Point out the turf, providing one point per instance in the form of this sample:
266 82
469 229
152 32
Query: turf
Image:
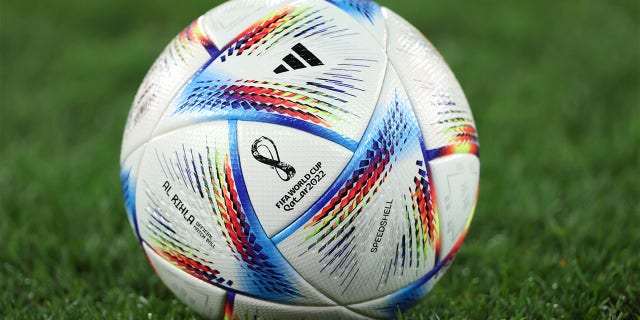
554 86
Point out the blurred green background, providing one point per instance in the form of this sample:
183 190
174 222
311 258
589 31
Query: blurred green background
554 86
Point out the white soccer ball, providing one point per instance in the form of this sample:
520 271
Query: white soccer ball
300 159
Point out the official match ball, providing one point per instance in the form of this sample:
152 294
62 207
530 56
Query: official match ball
311 159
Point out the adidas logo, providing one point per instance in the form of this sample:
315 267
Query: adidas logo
294 63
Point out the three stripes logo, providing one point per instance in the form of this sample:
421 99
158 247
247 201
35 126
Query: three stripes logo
265 151
294 63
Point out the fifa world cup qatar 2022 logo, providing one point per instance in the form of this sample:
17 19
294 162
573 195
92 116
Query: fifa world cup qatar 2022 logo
265 151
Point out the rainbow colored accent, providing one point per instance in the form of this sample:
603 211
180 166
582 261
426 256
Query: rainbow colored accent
165 240
271 27
207 93
173 63
413 248
190 37
228 307
463 147
303 108
369 169
214 175
194 33
463 137
293 21
259 32
319 106
392 138
461 131
230 214
192 265
251 95
422 210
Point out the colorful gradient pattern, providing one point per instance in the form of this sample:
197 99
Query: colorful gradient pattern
396 131
164 241
257 34
422 211
251 95
332 227
413 248
211 176
460 148
242 236
288 22
464 138
319 105
392 138
194 33
293 21
182 47
363 184
228 307
460 130
165 238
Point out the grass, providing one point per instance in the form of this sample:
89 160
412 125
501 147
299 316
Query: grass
555 91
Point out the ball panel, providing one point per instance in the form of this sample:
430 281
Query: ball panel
249 308
441 107
286 170
308 65
193 211
376 229
175 66
204 298
403 299
388 306
456 179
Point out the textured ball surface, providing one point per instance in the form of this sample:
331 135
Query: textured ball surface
300 159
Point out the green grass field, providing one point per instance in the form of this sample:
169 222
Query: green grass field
554 86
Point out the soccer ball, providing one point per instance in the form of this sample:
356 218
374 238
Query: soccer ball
300 159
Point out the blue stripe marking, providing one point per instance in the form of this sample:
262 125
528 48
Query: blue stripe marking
301 125
129 194
280 264
160 222
213 51
370 136
434 154
195 175
346 174
406 297
241 187
242 115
